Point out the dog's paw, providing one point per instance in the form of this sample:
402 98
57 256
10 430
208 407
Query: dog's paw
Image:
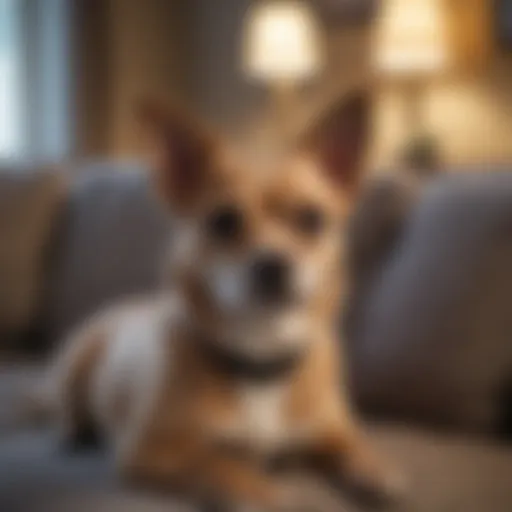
305 494
301 494
287 499
375 481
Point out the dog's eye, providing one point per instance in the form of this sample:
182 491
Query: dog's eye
225 223
309 220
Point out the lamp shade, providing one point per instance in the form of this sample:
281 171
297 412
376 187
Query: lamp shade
281 42
411 37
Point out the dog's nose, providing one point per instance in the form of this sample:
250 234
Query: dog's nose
270 275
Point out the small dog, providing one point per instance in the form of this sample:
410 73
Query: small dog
239 363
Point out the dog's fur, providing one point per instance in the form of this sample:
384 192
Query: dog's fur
199 388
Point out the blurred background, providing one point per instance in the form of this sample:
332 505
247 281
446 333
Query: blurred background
428 318
72 69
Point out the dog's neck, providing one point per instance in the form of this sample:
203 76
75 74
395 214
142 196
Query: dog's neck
244 367
219 350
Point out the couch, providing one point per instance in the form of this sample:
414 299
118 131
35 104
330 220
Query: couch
428 327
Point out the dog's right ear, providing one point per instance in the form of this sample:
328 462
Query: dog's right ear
338 139
182 153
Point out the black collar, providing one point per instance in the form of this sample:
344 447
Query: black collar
245 368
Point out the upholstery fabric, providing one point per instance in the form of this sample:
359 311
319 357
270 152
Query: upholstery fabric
111 243
433 337
30 201
445 473
437 321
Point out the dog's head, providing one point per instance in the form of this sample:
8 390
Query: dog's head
256 247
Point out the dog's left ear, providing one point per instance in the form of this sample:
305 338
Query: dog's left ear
182 153
338 139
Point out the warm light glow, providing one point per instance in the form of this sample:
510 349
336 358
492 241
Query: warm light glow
411 37
281 42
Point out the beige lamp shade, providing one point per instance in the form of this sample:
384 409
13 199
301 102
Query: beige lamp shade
411 37
281 42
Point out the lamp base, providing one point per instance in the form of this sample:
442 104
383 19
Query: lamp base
421 154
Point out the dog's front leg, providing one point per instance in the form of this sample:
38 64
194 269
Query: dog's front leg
347 456
213 478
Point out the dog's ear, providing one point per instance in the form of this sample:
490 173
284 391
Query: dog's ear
182 153
338 139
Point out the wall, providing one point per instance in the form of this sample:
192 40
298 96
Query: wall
143 40
90 77
472 116
191 49
218 88
122 50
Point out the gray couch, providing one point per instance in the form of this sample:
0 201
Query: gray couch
430 338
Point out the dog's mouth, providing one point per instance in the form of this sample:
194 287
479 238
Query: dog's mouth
274 298
266 332
262 306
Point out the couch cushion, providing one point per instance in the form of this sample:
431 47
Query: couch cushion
111 242
436 337
444 473
30 201
374 231
18 380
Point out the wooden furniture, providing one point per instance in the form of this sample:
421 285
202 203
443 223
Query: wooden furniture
471 32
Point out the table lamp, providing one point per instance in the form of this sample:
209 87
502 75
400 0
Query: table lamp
281 49
411 48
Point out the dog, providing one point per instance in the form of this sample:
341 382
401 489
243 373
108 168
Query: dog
237 362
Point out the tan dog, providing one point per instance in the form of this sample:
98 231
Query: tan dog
239 363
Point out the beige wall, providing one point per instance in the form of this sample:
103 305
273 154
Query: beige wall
472 117
144 57
192 49
219 90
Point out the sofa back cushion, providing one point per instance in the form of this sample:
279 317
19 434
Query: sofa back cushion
30 201
111 241
436 340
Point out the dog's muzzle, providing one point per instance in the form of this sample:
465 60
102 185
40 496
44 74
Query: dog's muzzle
271 278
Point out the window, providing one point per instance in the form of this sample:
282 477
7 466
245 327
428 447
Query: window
34 85
10 80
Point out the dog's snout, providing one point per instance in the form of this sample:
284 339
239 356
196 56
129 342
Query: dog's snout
271 275
271 268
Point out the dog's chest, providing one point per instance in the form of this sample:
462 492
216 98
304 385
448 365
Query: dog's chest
260 418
